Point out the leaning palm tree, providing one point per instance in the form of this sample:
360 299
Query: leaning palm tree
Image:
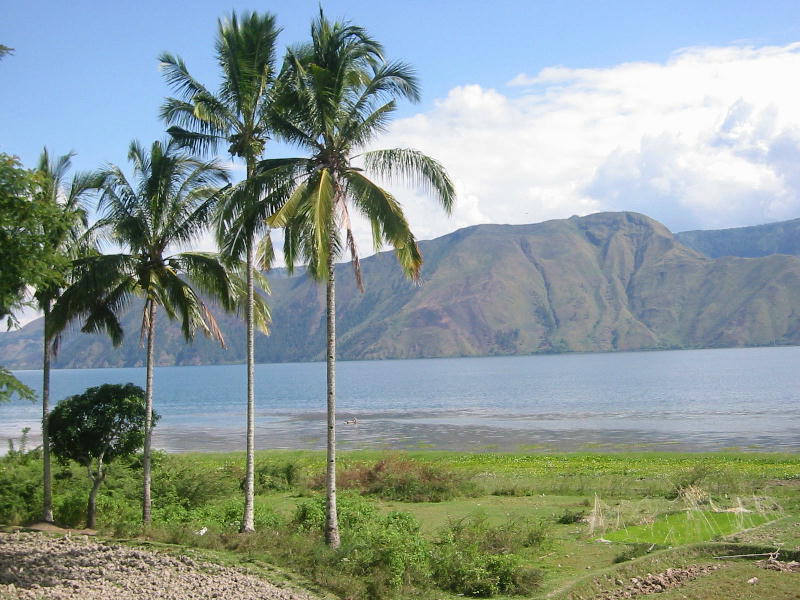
65 237
339 94
237 115
168 204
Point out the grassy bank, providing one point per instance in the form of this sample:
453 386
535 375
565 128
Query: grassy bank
434 524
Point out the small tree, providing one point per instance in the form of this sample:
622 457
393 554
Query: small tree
96 427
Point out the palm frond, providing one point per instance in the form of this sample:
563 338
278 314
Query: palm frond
414 168
387 220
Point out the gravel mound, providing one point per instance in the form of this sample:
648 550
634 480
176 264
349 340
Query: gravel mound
661 582
34 566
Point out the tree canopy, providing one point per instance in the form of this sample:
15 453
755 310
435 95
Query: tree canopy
26 256
105 422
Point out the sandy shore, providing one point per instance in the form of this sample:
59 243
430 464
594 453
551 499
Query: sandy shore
34 566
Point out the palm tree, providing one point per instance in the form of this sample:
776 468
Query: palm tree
340 93
237 116
170 203
64 236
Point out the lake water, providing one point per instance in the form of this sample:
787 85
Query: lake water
747 398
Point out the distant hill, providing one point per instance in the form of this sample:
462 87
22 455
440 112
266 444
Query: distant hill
609 281
760 240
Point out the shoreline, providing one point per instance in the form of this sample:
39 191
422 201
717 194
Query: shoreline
458 440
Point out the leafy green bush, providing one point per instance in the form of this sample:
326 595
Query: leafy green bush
278 477
468 571
473 558
353 510
20 489
389 549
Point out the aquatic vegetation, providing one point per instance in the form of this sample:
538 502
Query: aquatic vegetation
687 527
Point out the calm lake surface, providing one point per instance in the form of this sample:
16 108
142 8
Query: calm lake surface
679 400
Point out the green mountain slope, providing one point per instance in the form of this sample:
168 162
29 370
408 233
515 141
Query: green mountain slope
609 281
760 240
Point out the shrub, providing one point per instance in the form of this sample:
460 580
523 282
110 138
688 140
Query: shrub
353 510
20 489
221 516
390 550
70 509
473 558
468 571
568 517
278 477
511 536
405 480
175 481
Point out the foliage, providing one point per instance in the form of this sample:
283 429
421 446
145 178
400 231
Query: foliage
473 558
10 385
278 476
570 516
338 94
396 478
168 204
64 236
28 260
389 550
354 510
237 115
508 537
104 422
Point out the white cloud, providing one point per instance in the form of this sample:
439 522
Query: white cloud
711 138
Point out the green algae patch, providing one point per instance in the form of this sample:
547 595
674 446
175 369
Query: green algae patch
687 527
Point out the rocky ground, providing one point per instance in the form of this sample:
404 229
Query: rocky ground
34 566
654 584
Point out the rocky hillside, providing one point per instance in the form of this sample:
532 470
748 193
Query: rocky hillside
609 281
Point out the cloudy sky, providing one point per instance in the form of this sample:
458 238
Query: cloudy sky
539 110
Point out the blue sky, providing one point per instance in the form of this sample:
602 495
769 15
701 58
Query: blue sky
539 109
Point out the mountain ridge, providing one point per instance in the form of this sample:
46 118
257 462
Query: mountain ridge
604 282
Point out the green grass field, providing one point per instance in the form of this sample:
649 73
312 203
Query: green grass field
562 526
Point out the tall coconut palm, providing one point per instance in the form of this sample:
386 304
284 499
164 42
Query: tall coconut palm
340 94
65 237
237 115
168 204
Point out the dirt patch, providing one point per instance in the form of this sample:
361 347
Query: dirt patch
52 528
34 566
655 584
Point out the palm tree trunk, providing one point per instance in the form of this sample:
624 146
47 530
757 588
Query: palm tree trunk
148 419
47 499
331 516
248 524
